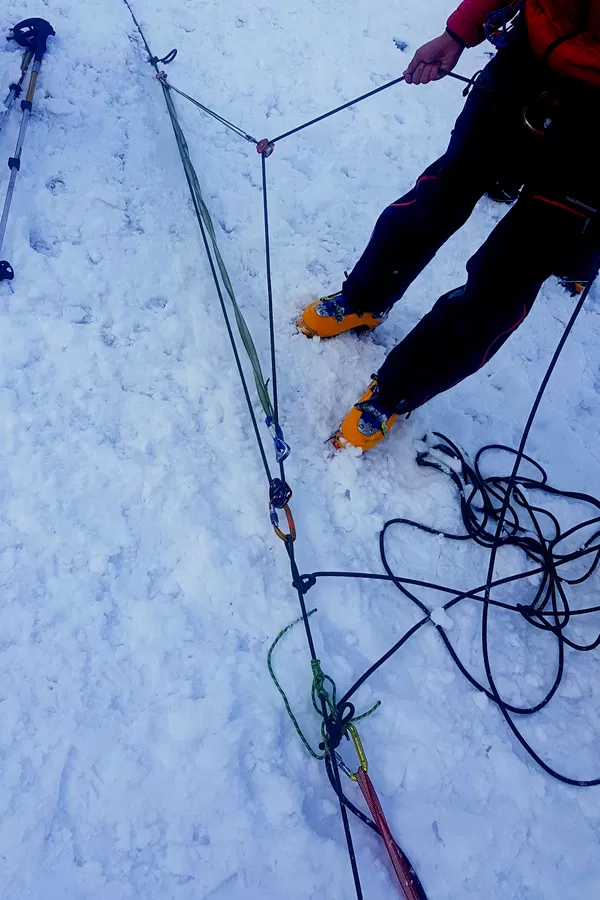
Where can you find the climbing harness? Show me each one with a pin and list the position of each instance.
(496, 512)
(32, 34)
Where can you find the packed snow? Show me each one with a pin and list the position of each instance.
(145, 753)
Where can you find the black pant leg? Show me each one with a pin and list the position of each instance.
(409, 233)
(466, 327)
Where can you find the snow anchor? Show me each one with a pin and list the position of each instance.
(407, 877)
(32, 34)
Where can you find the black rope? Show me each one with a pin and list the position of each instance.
(549, 609)
(497, 512)
(338, 109)
(510, 488)
(271, 314)
(296, 577)
(331, 758)
(152, 59)
(332, 762)
(332, 112)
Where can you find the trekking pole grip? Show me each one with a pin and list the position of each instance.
(33, 34)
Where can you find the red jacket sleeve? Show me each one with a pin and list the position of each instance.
(468, 20)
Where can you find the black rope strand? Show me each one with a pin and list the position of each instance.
(512, 481)
(183, 150)
(332, 767)
(271, 314)
(549, 609)
(332, 112)
(355, 102)
(153, 60)
(482, 501)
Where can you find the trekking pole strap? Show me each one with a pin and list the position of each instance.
(33, 34)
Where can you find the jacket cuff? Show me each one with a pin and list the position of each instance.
(468, 30)
(456, 37)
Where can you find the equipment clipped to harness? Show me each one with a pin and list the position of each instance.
(505, 24)
(539, 115)
(572, 286)
(32, 34)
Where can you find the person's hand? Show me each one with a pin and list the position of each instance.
(441, 53)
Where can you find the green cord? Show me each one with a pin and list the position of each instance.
(204, 215)
(320, 695)
(281, 634)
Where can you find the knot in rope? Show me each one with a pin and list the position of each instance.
(336, 727)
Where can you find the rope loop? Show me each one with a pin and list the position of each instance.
(336, 727)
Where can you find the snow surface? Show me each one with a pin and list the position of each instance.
(144, 752)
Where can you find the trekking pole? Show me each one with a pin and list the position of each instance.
(32, 34)
(16, 89)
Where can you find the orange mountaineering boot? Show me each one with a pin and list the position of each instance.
(368, 422)
(331, 316)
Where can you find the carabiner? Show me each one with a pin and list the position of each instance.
(291, 537)
(360, 752)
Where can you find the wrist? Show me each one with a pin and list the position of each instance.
(458, 40)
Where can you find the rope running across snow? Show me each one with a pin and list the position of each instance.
(496, 512)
